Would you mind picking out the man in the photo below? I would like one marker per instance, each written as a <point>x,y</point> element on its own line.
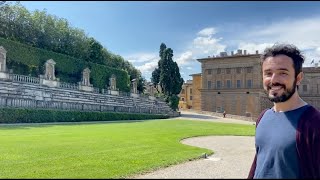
<point>287,136</point>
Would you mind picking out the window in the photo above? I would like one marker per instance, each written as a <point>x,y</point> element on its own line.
<point>190,98</point>
<point>218,71</point>
<point>228,70</point>
<point>249,69</point>
<point>209,71</point>
<point>238,70</point>
<point>182,99</point>
<point>249,83</point>
<point>238,83</point>
<point>218,84</point>
<point>209,84</point>
<point>304,88</point>
<point>190,91</point>
<point>228,83</point>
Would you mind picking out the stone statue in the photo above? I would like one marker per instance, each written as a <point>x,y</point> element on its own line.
<point>49,72</point>
<point>2,59</point>
<point>86,77</point>
<point>134,86</point>
<point>113,82</point>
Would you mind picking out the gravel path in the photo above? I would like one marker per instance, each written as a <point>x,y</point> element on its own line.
<point>232,158</point>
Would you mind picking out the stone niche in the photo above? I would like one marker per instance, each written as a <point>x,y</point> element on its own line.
<point>113,82</point>
<point>134,88</point>
<point>85,85</point>
<point>113,85</point>
<point>49,79</point>
<point>3,64</point>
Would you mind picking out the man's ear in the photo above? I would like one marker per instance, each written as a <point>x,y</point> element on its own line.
<point>299,77</point>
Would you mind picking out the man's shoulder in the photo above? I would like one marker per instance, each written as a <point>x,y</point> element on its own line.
<point>261,115</point>
<point>312,116</point>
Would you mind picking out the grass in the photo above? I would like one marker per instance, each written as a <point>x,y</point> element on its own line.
<point>102,150</point>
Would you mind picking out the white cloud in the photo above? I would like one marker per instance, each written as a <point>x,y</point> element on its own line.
<point>141,57</point>
<point>301,32</point>
<point>184,58</point>
<point>318,51</point>
<point>206,43</point>
<point>148,67</point>
<point>304,33</point>
<point>252,47</point>
<point>145,62</point>
<point>207,31</point>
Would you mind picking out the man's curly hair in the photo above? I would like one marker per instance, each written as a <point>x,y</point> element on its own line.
<point>285,49</point>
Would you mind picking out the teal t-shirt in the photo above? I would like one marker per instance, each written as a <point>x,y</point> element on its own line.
<point>276,144</point>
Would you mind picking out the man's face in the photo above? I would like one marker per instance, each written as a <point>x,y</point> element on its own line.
<point>279,79</point>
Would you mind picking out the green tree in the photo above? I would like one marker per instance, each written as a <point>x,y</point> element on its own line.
<point>168,75</point>
<point>141,84</point>
<point>42,30</point>
<point>95,52</point>
<point>155,78</point>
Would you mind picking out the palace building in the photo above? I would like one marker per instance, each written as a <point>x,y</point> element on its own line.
<point>233,83</point>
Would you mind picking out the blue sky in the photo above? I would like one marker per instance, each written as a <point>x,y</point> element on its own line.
<point>192,29</point>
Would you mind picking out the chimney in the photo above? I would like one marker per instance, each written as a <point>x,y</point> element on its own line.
<point>257,52</point>
<point>239,52</point>
<point>231,53</point>
<point>245,52</point>
<point>223,54</point>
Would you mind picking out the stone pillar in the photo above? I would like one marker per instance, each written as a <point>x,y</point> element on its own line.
<point>134,90</point>
<point>3,61</point>
<point>134,86</point>
<point>113,85</point>
<point>86,77</point>
<point>3,64</point>
<point>113,82</point>
<point>49,79</point>
<point>85,85</point>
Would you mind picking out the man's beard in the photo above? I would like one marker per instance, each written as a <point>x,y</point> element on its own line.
<point>285,95</point>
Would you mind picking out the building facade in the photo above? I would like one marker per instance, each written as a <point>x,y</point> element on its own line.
<point>196,94</point>
<point>309,89</point>
<point>186,95</point>
<point>233,83</point>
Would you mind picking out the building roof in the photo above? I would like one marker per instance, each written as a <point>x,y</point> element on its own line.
<point>229,57</point>
<point>197,74</point>
<point>311,69</point>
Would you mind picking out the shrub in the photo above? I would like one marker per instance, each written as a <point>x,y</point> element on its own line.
<point>16,115</point>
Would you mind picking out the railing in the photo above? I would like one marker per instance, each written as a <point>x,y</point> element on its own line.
<point>125,94</point>
<point>96,90</point>
<point>71,86</point>
<point>22,78</point>
<point>30,103</point>
<point>65,85</point>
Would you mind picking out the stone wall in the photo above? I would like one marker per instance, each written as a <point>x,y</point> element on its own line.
<point>31,95</point>
<point>48,92</point>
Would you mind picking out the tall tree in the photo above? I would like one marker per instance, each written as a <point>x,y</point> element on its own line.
<point>168,76</point>
<point>155,78</point>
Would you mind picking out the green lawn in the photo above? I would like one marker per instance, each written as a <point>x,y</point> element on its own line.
<point>102,150</point>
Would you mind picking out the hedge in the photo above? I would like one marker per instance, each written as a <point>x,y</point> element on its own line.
<point>28,60</point>
<point>15,115</point>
